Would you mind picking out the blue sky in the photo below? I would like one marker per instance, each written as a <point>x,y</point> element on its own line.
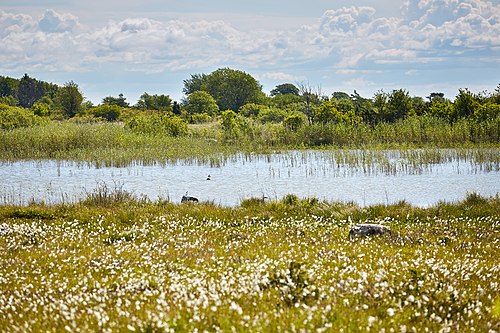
<point>131,47</point>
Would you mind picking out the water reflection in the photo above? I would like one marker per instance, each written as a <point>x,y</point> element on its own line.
<point>421,177</point>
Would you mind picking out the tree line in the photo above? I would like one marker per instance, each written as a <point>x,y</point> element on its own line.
<point>230,95</point>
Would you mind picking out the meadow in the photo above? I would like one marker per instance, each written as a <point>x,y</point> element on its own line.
<point>115,263</point>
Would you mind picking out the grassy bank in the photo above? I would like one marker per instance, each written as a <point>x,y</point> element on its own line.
<point>115,263</point>
<point>101,143</point>
<point>114,144</point>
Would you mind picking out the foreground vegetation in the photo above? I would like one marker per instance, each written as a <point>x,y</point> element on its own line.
<point>115,263</point>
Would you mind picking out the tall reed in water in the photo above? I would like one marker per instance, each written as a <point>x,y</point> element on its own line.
<point>114,144</point>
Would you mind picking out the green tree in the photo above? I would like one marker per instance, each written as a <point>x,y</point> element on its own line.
<point>120,101</point>
<point>176,108</point>
<point>154,102</point>
<point>40,109</point>
<point>380,99</point>
<point>195,83</point>
<point>15,117</point>
<point>157,124</point>
<point>435,96</point>
<point>328,112</point>
<point>285,89</point>
<point>50,90</point>
<point>495,96</point>
<point>398,105</point>
<point>271,115</point>
<point>70,99</point>
<point>486,112</point>
<point>29,91</point>
<point>9,87</point>
<point>344,105</point>
<point>230,88</point>
<point>442,109</point>
<point>364,108</point>
<point>465,103</point>
<point>283,101</point>
<point>201,102</point>
<point>340,95</point>
<point>419,105</point>
<point>229,123</point>
<point>8,100</point>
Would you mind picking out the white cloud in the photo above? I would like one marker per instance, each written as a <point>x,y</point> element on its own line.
<point>55,22</point>
<point>345,20</point>
<point>282,77</point>
<point>345,41</point>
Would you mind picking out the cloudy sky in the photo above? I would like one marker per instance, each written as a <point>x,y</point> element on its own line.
<point>122,46</point>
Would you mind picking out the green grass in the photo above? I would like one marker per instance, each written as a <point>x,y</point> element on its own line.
<point>115,263</point>
<point>101,144</point>
<point>114,144</point>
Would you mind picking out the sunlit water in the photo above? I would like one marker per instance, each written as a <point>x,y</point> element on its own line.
<point>310,174</point>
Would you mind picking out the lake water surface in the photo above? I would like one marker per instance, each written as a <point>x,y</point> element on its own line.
<point>319,174</point>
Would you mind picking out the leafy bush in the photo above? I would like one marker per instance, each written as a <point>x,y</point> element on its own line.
<point>488,111</point>
<point>41,109</point>
<point>274,115</point>
<point>158,124</point>
<point>198,118</point>
<point>294,121</point>
<point>251,109</point>
<point>9,100</point>
<point>229,120</point>
<point>15,117</point>
<point>107,111</point>
<point>201,102</point>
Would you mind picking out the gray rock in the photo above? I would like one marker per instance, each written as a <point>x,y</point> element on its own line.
<point>368,229</point>
<point>187,198</point>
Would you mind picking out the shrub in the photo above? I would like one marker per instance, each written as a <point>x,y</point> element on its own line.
<point>157,124</point>
<point>40,109</point>
<point>199,118</point>
<point>293,122</point>
<point>15,117</point>
<point>272,114</point>
<point>201,102</point>
<point>487,112</point>
<point>251,109</point>
<point>107,111</point>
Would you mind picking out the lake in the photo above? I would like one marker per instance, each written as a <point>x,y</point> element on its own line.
<point>364,177</point>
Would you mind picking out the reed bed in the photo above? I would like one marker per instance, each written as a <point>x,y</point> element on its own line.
<point>113,144</point>
<point>107,144</point>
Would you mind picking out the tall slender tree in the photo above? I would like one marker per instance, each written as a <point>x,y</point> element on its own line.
<point>30,90</point>
<point>70,99</point>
